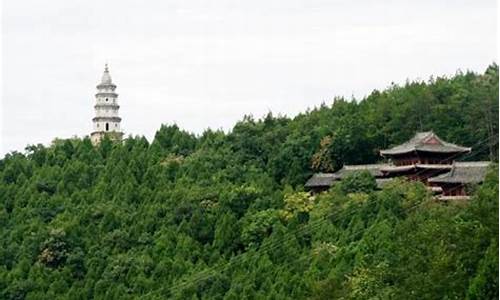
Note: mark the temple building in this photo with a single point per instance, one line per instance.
(455, 183)
(425, 158)
(106, 121)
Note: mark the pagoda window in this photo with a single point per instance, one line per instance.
(107, 127)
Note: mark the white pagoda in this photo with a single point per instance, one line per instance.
(106, 121)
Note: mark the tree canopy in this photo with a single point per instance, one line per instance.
(225, 216)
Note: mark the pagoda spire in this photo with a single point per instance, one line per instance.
(106, 77)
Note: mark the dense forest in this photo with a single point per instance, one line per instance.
(224, 215)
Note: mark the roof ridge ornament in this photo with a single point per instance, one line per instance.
(432, 139)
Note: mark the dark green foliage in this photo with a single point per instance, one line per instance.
(224, 215)
(359, 182)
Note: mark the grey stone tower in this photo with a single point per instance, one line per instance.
(106, 121)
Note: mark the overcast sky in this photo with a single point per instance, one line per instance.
(207, 63)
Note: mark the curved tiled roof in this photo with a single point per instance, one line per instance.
(327, 179)
(321, 180)
(426, 142)
(404, 168)
(464, 172)
(373, 169)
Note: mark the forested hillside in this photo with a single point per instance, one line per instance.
(224, 215)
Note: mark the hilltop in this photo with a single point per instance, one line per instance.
(224, 215)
